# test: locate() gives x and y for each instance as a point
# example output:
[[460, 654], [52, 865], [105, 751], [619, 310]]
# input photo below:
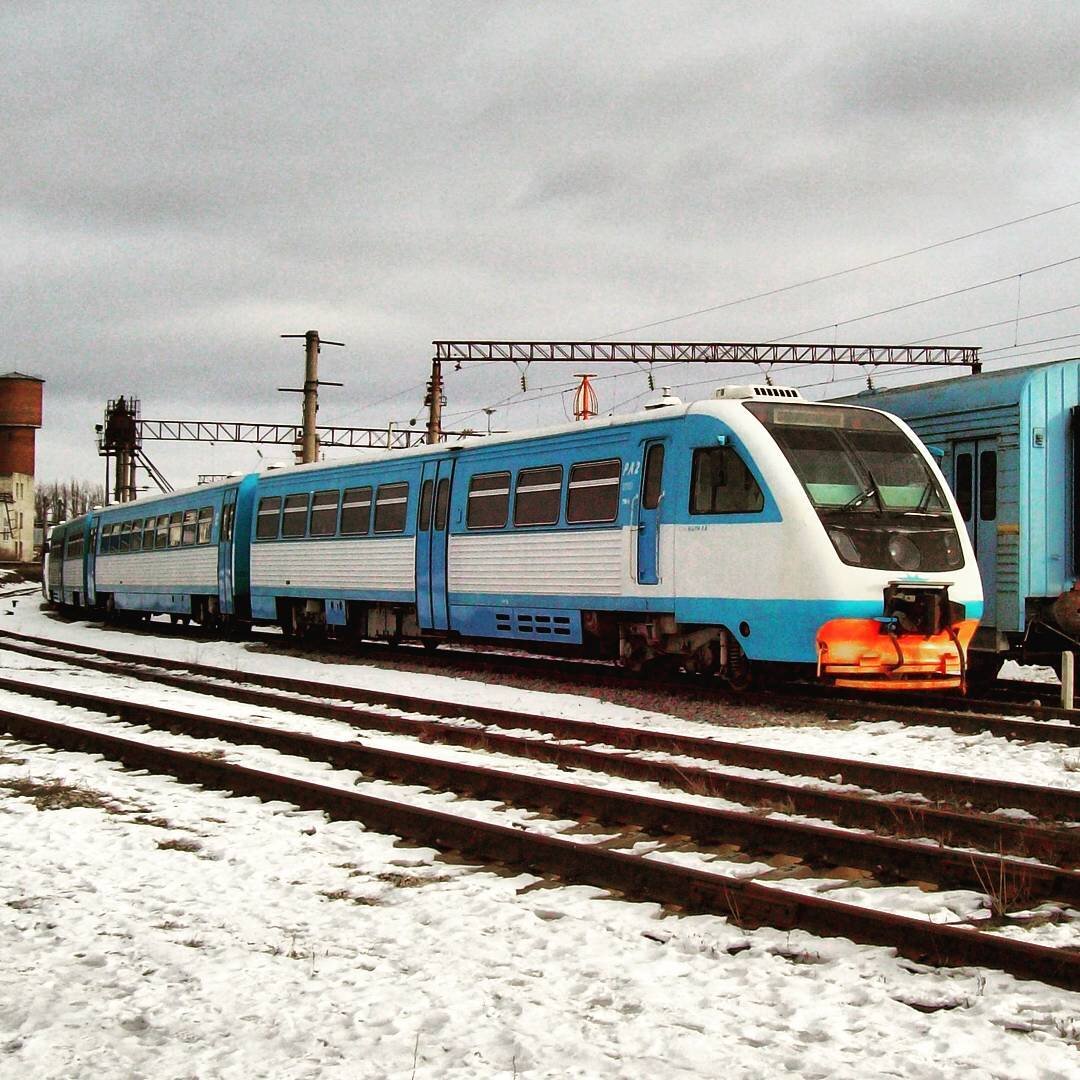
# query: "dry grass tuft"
[[60, 795]]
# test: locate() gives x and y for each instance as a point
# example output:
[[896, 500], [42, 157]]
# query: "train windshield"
[[851, 459]]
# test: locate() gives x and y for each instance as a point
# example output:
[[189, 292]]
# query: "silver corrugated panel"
[[336, 564], [585, 563], [73, 573], [180, 568]]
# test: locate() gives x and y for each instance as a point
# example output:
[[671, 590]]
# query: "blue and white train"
[[749, 530]]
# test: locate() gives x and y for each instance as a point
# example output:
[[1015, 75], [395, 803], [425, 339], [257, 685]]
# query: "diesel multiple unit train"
[[1010, 446], [725, 536]]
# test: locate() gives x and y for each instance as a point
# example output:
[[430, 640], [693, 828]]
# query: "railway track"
[[885, 857], [1005, 716]]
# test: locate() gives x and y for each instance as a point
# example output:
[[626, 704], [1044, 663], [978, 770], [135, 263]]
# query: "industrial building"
[[20, 417]]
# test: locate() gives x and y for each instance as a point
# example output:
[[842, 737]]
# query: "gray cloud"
[[185, 182]]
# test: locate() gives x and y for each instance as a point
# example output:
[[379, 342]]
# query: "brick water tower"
[[20, 417]]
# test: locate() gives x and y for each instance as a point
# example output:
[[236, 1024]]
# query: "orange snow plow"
[[877, 654]]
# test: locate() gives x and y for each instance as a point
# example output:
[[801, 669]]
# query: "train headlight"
[[845, 547], [904, 553]]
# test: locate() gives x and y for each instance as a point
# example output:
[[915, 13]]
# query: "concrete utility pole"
[[434, 403], [309, 437]]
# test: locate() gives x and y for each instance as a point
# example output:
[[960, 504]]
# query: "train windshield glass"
[[852, 459]]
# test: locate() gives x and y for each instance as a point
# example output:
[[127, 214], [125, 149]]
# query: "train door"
[[432, 528], [226, 529], [240, 544], [90, 560], [648, 513], [975, 475]]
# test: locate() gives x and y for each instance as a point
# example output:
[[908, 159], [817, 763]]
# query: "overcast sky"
[[184, 182]]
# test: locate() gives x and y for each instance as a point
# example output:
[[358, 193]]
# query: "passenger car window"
[[135, 543], [266, 524], [206, 525], [593, 491], [161, 534], [721, 483], [294, 518], [489, 501], [190, 527], [148, 534], [536, 501], [391, 501], [356, 511], [324, 513]]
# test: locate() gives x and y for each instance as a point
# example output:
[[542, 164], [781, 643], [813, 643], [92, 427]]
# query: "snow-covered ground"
[[161, 930]]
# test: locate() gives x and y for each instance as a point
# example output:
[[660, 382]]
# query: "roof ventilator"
[[757, 392]]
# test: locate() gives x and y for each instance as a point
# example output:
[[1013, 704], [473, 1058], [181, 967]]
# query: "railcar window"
[[391, 501], [125, 536], [356, 511], [593, 491], [148, 535], [136, 535], [536, 501], [442, 503], [652, 482], [988, 485], [191, 527], [266, 526], [324, 511], [206, 524], [228, 516], [106, 537], [161, 532], [176, 528], [722, 484], [74, 547], [294, 519], [424, 520], [963, 485], [489, 501]]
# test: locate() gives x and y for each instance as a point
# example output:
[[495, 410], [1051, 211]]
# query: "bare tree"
[[59, 500]]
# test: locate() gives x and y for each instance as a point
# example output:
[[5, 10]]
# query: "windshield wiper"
[[871, 491]]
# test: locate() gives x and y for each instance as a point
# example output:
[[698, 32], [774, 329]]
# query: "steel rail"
[[886, 858], [690, 890], [1049, 802], [850, 810]]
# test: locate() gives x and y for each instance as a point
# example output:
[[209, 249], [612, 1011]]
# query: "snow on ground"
[[175, 932]]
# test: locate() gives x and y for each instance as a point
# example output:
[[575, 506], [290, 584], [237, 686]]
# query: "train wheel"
[[739, 672]]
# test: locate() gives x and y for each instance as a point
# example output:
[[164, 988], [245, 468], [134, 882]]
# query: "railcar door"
[[226, 528], [432, 528], [648, 513], [90, 560], [975, 484]]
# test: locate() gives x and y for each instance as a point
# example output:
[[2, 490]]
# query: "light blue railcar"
[[1009, 440]]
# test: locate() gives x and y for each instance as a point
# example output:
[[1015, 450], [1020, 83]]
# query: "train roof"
[[670, 409], [985, 390]]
